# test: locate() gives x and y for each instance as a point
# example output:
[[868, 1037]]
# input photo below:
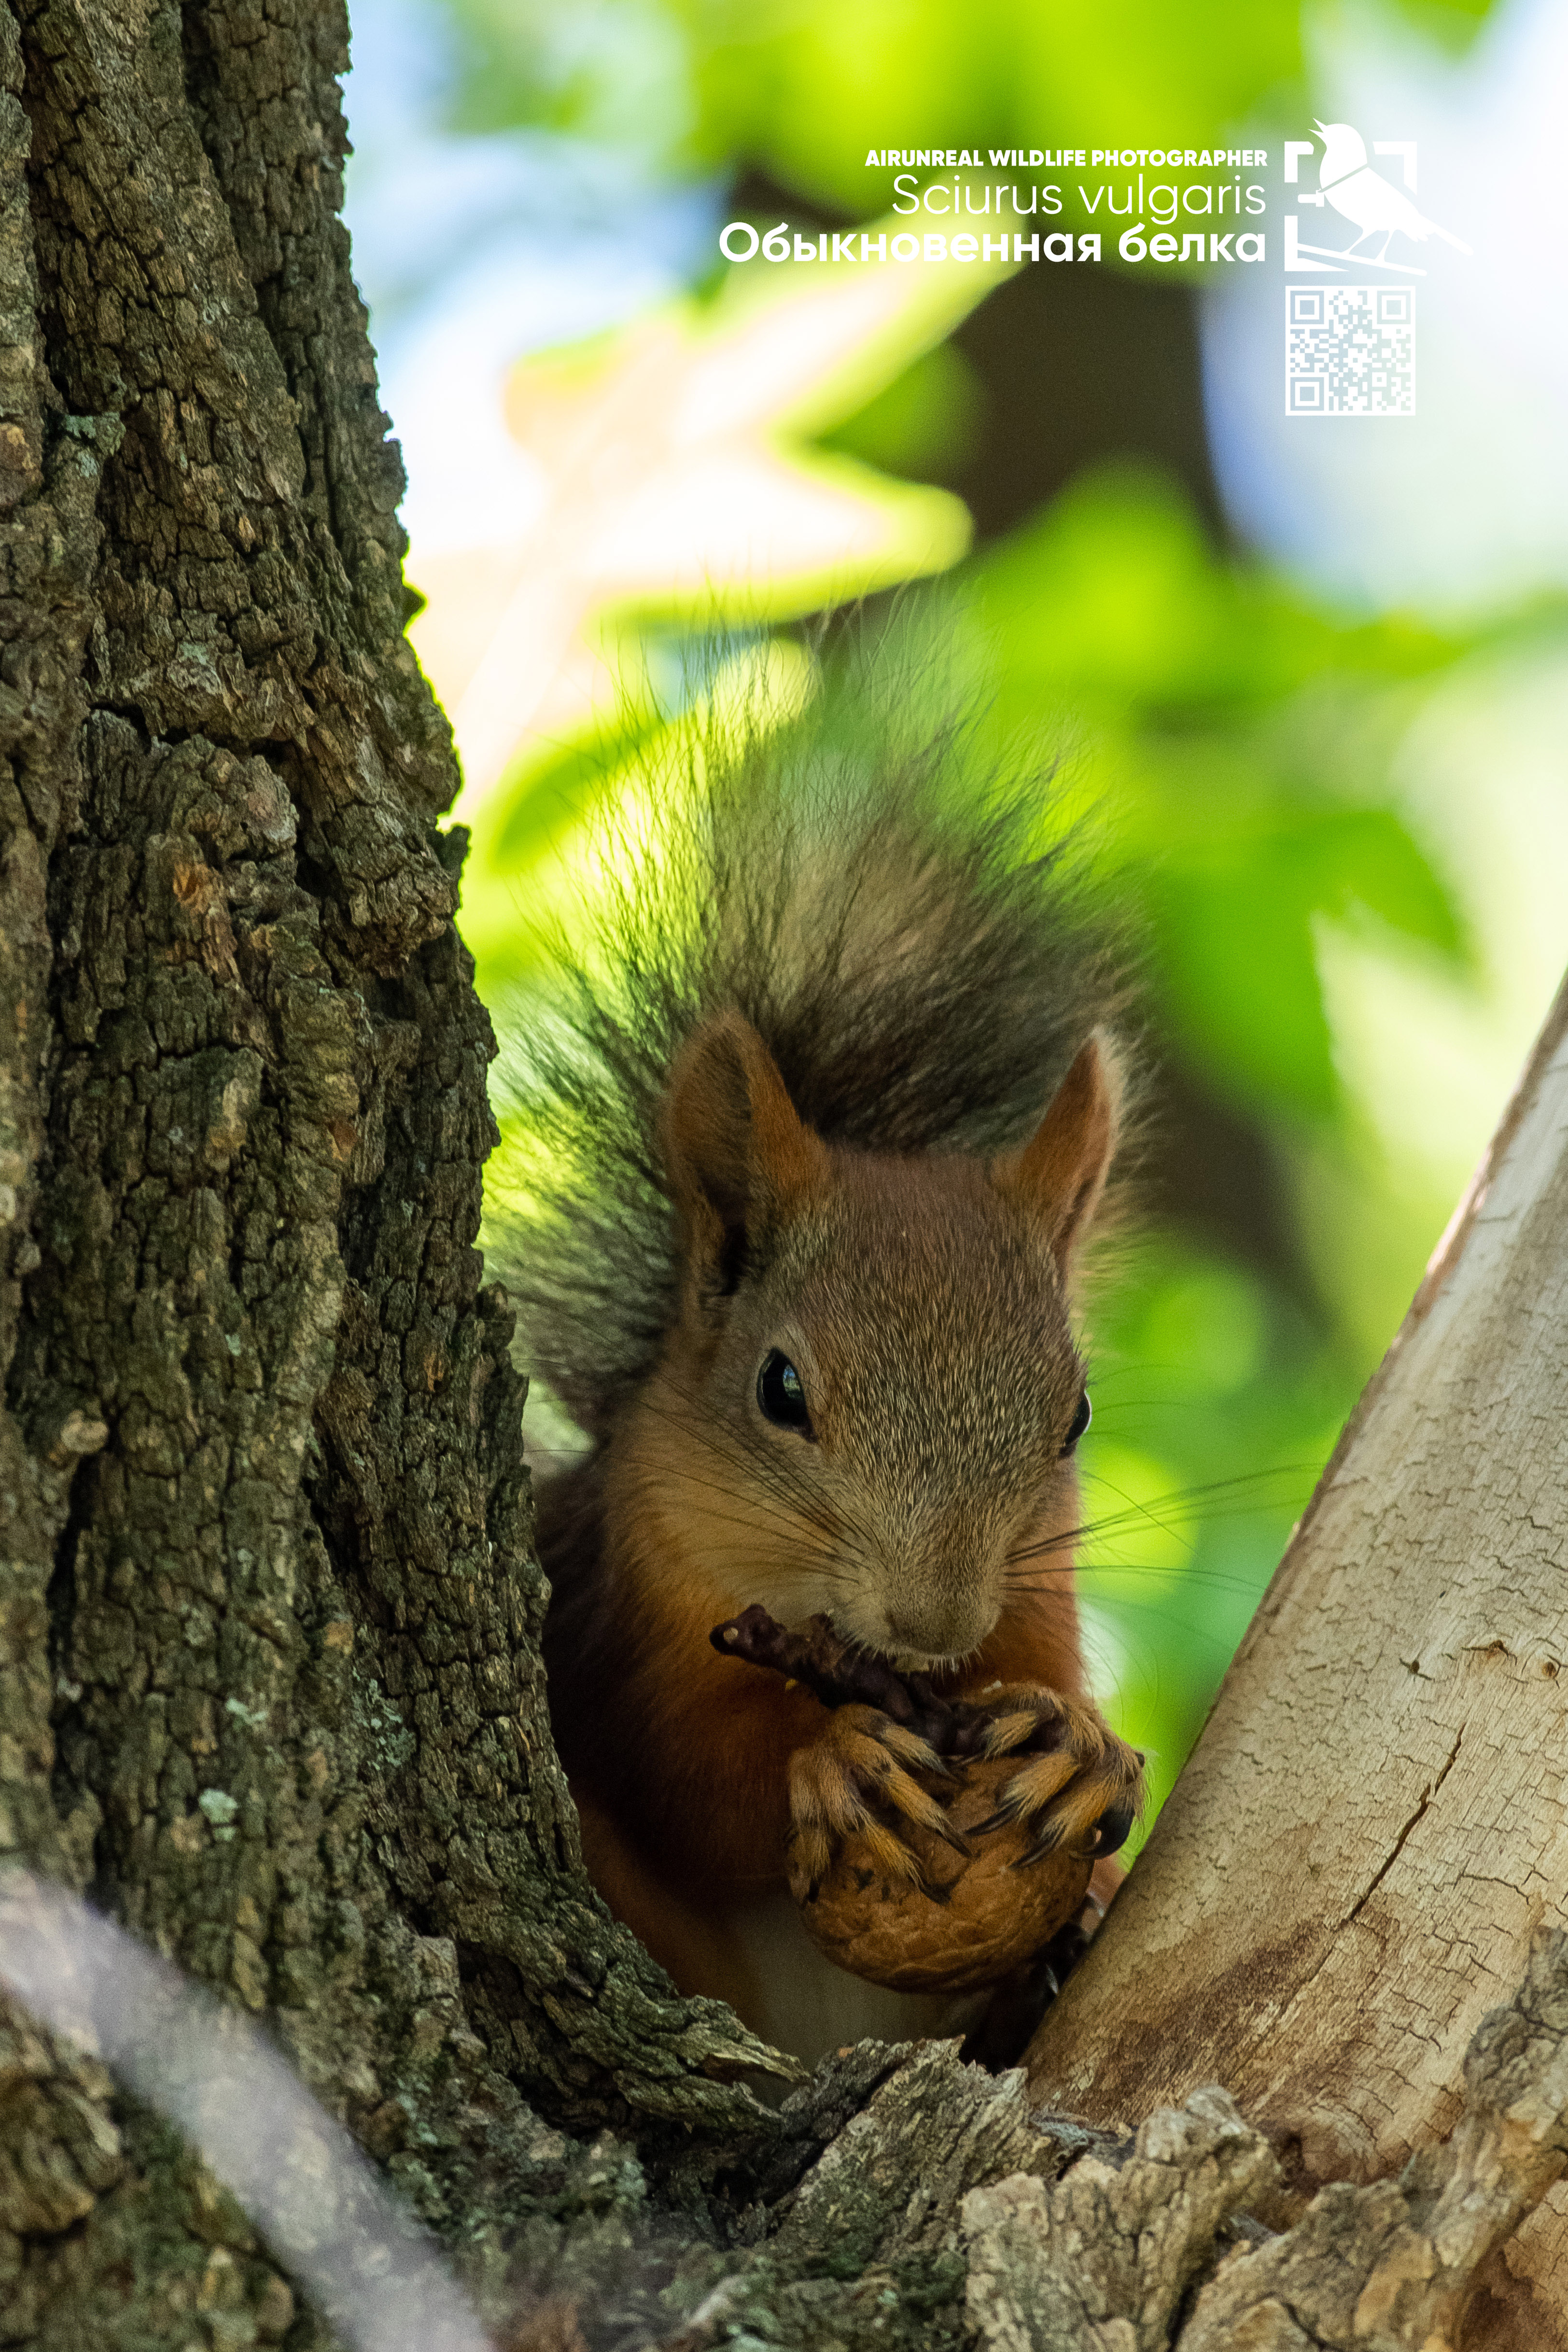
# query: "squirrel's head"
[[871, 1396]]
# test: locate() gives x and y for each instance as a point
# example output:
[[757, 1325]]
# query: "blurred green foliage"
[[802, 88], [1217, 1400], [1239, 738], [1230, 741], [925, 423]]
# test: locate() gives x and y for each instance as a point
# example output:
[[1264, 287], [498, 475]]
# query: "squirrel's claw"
[[1080, 1784], [1106, 1835], [847, 1783], [1113, 1827], [1033, 1790]]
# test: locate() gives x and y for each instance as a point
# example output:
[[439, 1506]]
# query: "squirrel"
[[820, 1123]]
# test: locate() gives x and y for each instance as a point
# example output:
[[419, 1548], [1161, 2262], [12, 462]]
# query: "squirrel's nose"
[[943, 1625]]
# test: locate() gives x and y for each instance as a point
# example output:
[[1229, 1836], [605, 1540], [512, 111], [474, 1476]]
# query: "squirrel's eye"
[[781, 1392], [1080, 1422]]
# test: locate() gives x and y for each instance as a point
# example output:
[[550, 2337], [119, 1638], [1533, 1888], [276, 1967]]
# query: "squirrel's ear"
[[1059, 1174], [737, 1152]]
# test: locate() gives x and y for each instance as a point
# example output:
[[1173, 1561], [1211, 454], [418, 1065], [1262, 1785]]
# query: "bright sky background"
[[473, 251], [1465, 505]]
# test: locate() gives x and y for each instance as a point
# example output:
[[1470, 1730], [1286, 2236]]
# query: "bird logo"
[[1373, 205]]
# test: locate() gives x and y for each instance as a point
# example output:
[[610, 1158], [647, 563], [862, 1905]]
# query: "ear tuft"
[[737, 1152], [1059, 1176]]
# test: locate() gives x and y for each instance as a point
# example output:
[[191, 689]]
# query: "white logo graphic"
[[1372, 205]]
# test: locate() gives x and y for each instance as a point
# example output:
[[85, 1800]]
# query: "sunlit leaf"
[[677, 476]]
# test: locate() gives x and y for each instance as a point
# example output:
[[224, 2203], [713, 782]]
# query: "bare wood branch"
[[1375, 1819]]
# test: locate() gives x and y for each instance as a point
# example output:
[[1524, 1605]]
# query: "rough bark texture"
[[270, 1680], [942, 2211], [1375, 1820], [268, 1644]]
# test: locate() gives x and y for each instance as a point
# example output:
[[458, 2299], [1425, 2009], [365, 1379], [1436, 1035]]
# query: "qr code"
[[1349, 350]]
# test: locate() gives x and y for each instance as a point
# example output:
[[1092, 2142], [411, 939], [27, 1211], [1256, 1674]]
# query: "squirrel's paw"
[[1076, 1784], [892, 1881], [858, 1781]]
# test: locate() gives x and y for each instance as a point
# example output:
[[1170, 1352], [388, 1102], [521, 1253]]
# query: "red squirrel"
[[823, 1118]]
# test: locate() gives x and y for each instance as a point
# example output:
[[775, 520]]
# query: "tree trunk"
[[271, 1687], [270, 1680], [1375, 1820]]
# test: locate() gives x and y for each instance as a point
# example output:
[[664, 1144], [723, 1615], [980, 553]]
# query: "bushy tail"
[[906, 933]]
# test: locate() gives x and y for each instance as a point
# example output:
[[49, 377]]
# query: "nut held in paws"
[[904, 1935]]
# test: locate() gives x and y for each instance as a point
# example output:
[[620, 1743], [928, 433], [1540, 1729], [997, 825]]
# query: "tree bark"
[[268, 1645], [270, 1690], [1375, 1820]]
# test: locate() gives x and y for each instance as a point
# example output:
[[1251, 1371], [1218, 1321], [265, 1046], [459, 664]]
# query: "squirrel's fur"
[[833, 1082], [909, 938]]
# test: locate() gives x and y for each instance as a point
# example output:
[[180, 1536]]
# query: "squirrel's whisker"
[[1163, 1512], [799, 1502], [1217, 1580]]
